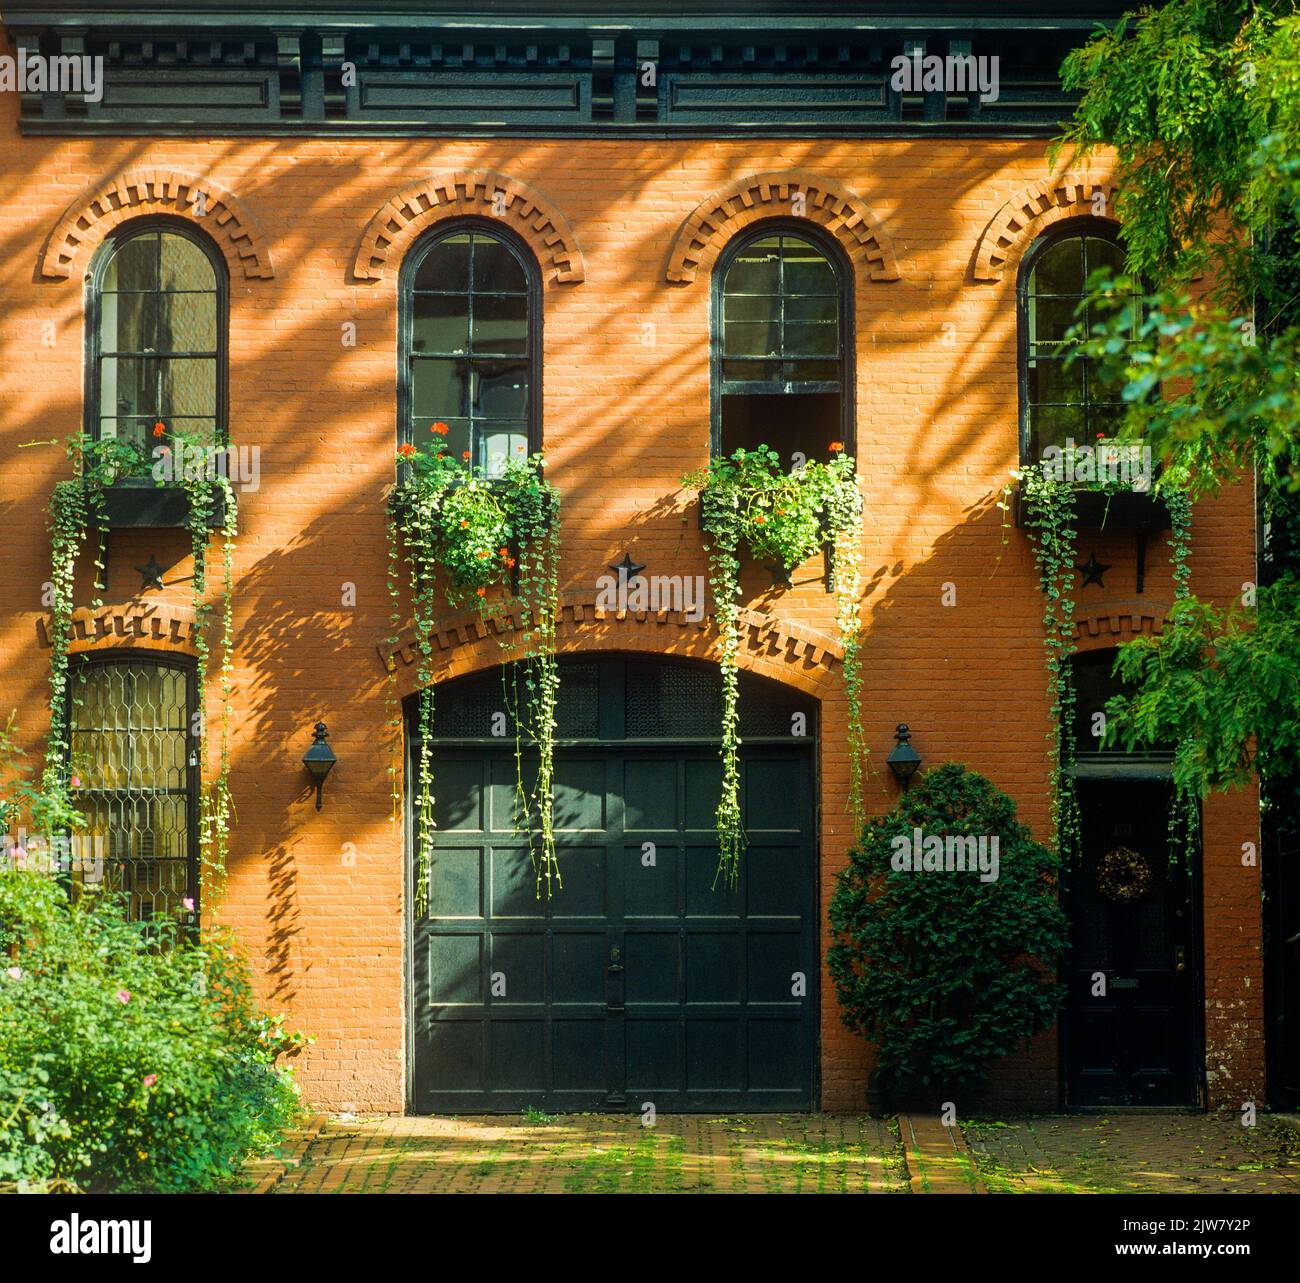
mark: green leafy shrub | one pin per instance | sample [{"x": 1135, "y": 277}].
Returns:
[
  {"x": 132, "y": 1056},
  {"x": 943, "y": 971}
]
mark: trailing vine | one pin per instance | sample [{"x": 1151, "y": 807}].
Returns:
[
  {"x": 75, "y": 506},
  {"x": 1185, "y": 811},
  {"x": 474, "y": 534},
  {"x": 750, "y": 504},
  {"x": 1049, "y": 516}
]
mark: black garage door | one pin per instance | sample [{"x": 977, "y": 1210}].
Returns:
[{"x": 638, "y": 982}]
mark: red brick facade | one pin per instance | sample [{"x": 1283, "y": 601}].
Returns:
[{"x": 625, "y": 232}]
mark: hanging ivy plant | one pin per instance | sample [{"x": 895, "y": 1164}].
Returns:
[
  {"x": 750, "y": 505},
  {"x": 75, "y": 506},
  {"x": 467, "y": 537},
  {"x": 1049, "y": 506}
]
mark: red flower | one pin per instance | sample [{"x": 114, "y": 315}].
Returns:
[
  {"x": 482, "y": 592},
  {"x": 510, "y": 563},
  {"x": 159, "y": 428},
  {"x": 439, "y": 429},
  {"x": 464, "y": 454},
  {"x": 150, "y": 1079},
  {"x": 406, "y": 450},
  {"x": 837, "y": 447},
  {"x": 463, "y": 523}
]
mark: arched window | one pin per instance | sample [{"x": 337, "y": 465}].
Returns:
[
  {"x": 135, "y": 779},
  {"x": 1063, "y": 401},
  {"x": 157, "y": 328},
  {"x": 782, "y": 330},
  {"x": 470, "y": 342}
]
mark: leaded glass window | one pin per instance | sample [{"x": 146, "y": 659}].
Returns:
[
  {"x": 470, "y": 348},
  {"x": 1063, "y": 400},
  {"x": 135, "y": 780},
  {"x": 158, "y": 328},
  {"x": 780, "y": 364}
]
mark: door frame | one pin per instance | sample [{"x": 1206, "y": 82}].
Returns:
[{"x": 814, "y": 893}]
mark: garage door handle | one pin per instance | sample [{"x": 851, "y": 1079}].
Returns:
[
  {"x": 614, "y": 1006},
  {"x": 615, "y": 968}
]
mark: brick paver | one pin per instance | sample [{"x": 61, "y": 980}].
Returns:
[
  {"x": 589, "y": 1153},
  {"x": 1137, "y": 1153}
]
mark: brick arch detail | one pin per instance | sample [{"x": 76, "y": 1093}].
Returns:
[
  {"x": 135, "y": 625},
  {"x": 716, "y": 220},
  {"x": 790, "y": 653},
  {"x": 1031, "y": 212},
  {"x": 482, "y": 192},
  {"x": 1108, "y": 626},
  {"x": 138, "y": 192}
]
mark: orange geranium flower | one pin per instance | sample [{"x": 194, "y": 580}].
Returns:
[
  {"x": 406, "y": 450},
  {"x": 837, "y": 447},
  {"x": 464, "y": 454},
  {"x": 159, "y": 428},
  {"x": 439, "y": 429},
  {"x": 482, "y": 592},
  {"x": 463, "y": 523}
]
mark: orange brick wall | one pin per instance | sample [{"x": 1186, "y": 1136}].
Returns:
[{"x": 317, "y": 897}]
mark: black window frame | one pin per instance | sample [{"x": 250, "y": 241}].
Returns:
[
  {"x": 406, "y": 315},
  {"x": 87, "y": 661},
  {"x": 847, "y": 295},
  {"x": 1086, "y": 227},
  {"x": 113, "y": 242}
]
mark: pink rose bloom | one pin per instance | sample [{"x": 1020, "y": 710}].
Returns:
[
  {"x": 150, "y": 1079},
  {"x": 76, "y": 781},
  {"x": 188, "y": 904},
  {"x": 123, "y": 996},
  {"x": 15, "y": 973}
]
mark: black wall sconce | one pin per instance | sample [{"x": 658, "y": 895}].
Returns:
[
  {"x": 904, "y": 759},
  {"x": 319, "y": 759}
]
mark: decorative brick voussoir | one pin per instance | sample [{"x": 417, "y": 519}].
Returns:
[
  {"x": 1029, "y": 213},
  {"x": 804, "y": 656},
  {"x": 482, "y": 192},
  {"x": 158, "y": 191},
  {"x": 1119, "y": 622},
  {"x": 714, "y": 222},
  {"x": 131, "y": 626}
]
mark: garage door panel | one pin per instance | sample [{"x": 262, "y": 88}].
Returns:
[
  {"x": 702, "y": 785},
  {"x": 580, "y": 795},
  {"x": 458, "y": 795},
  {"x": 713, "y": 1056},
  {"x": 518, "y": 971},
  {"x": 654, "y": 1056},
  {"x": 650, "y": 881},
  {"x": 774, "y": 886},
  {"x": 707, "y": 895},
  {"x": 578, "y": 968},
  {"x": 579, "y": 1055},
  {"x": 774, "y": 967},
  {"x": 768, "y": 803},
  {"x": 651, "y": 788},
  {"x": 451, "y": 1054},
  {"x": 777, "y": 1053},
  {"x": 451, "y": 969},
  {"x": 515, "y": 1049},
  {"x": 456, "y": 882},
  {"x": 653, "y": 968},
  {"x": 584, "y": 874}
]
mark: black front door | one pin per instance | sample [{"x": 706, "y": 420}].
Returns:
[
  {"x": 638, "y": 981},
  {"x": 1131, "y": 1034}
]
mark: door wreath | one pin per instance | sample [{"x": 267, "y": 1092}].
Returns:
[{"x": 1123, "y": 875}]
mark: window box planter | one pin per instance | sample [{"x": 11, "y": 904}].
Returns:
[
  {"x": 1125, "y": 510},
  {"x": 139, "y": 503}
]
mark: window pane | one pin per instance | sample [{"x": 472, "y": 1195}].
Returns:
[
  {"x": 807, "y": 270},
  {"x": 750, "y": 371},
  {"x": 496, "y": 269},
  {"x": 811, "y": 371},
  {"x": 1059, "y": 270},
  {"x": 1053, "y": 319},
  {"x": 501, "y": 390},
  {"x": 1051, "y": 380},
  {"x": 812, "y": 307},
  {"x": 1103, "y": 253},
  {"x": 440, "y": 324},
  {"x": 128, "y": 322},
  {"x": 751, "y": 338},
  {"x": 756, "y": 269},
  {"x": 438, "y": 389},
  {"x": 501, "y": 325},
  {"x": 499, "y": 443},
  {"x": 187, "y": 323},
  {"x": 128, "y": 386},
  {"x": 133, "y": 265},
  {"x": 188, "y": 387},
  {"x": 816, "y": 338},
  {"x": 446, "y": 266},
  {"x": 184, "y": 265},
  {"x": 455, "y": 442},
  {"x": 1053, "y": 425}
]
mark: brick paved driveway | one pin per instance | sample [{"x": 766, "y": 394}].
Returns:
[
  {"x": 580, "y": 1153},
  {"x": 1136, "y": 1153}
]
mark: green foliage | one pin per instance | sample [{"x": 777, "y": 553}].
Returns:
[
  {"x": 751, "y": 505},
  {"x": 944, "y": 972},
  {"x": 1201, "y": 100},
  {"x": 465, "y": 534},
  {"x": 132, "y": 1056}
]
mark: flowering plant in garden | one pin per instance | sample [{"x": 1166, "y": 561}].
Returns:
[
  {"x": 132, "y": 1056},
  {"x": 465, "y": 534},
  {"x": 750, "y": 504}
]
